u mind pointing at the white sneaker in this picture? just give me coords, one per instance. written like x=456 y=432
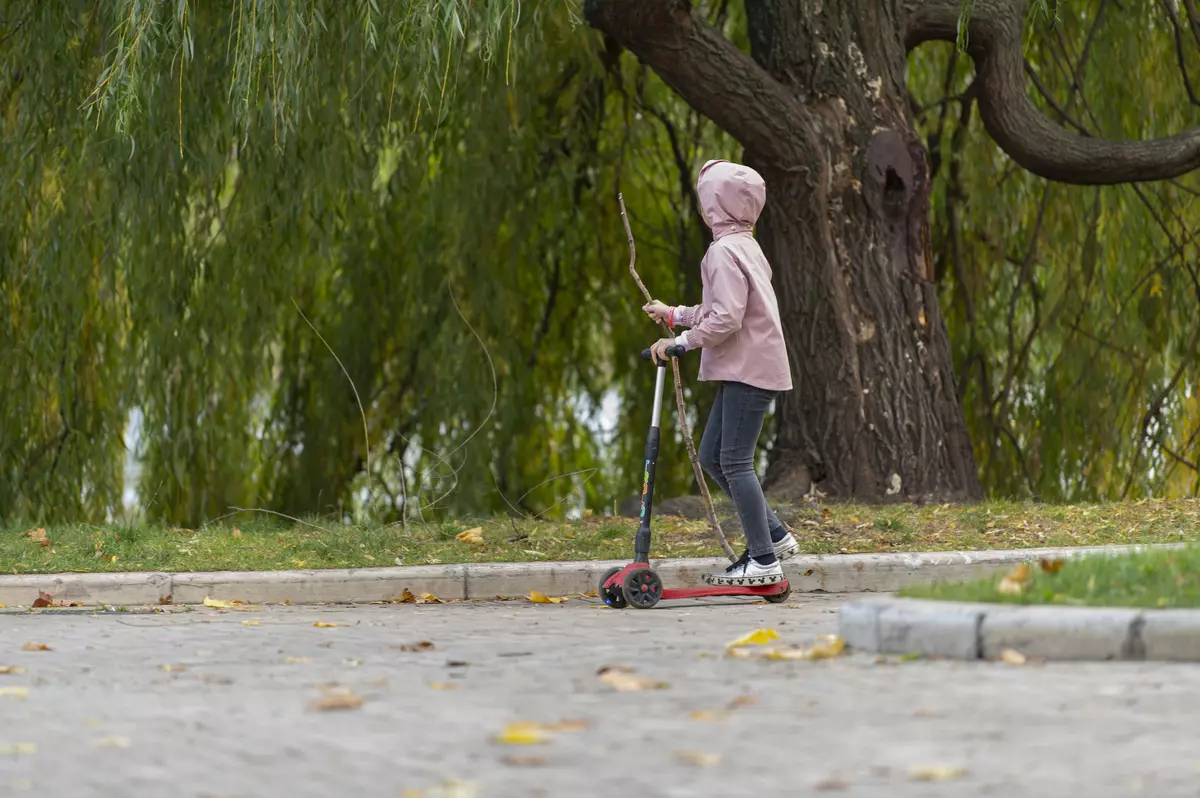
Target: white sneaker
x=788 y=547
x=747 y=573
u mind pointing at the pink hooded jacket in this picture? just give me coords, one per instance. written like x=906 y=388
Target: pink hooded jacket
x=737 y=323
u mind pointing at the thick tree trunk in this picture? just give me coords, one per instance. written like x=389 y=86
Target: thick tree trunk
x=874 y=414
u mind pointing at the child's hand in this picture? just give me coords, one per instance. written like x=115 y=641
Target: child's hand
x=657 y=311
x=658 y=350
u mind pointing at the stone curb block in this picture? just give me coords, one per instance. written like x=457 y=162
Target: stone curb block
x=837 y=573
x=968 y=631
x=119 y=589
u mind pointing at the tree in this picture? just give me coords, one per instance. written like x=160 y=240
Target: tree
x=821 y=107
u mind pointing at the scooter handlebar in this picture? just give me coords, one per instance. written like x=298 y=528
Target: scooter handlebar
x=672 y=351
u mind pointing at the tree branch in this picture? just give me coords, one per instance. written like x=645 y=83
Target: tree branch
x=1011 y=118
x=710 y=73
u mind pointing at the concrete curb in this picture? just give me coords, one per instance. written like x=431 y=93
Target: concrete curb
x=961 y=630
x=838 y=573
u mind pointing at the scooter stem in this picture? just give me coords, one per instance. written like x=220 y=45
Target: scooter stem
x=641 y=544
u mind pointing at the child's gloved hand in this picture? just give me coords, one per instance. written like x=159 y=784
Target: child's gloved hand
x=659 y=312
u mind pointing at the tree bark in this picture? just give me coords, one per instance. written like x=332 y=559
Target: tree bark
x=874 y=415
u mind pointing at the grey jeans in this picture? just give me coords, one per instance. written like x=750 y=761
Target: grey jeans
x=727 y=454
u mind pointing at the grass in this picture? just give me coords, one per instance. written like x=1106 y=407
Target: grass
x=1143 y=579
x=262 y=542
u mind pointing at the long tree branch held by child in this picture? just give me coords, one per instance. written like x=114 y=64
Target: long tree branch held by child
x=679 y=406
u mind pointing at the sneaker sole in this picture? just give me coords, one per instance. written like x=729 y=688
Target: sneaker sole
x=743 y=581
x=787 y=549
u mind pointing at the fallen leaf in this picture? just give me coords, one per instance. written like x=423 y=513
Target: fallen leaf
x=428 y=598
x=38 y=536
x=43 y=600
x=743 y=700
x=11 y=669
x=758 y=637
x=424 y=645
x=624 y=679
x=457 y=663
x=1010 y=587
x=18 y=749
x=567 y=726
x=250 y=623
x=524 y=761
x=442 y=686
x=113 y=558
x=709 y=714
x=237 y=533
x=173 y=668
x=343 y=698
x=937 y=773
x=222 y=605
x=540 y=598
x=14 y=692
x=698 y=758
x=522 y=733
x=327 y=625
x=1012 y=656
x=1051 y=566
x=474 y=535
x=1021 y=573
x=36 y=647
x=830 y=785
x=352 y=662
x=114 y=742
x=828 y=647
x=296 y=660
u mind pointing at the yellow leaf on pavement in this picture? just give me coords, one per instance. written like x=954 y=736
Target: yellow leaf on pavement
x=624 y=679
x=474 y=535
x=1012 y=656
x=442 y=686
x=223 y=605
x=343 y=698
x=699 y=758
x=540 y=598
x=326 y=624
x=709 y=714
x=249 y=623
x=31 y=646
x=18 y=748
x=173 y=668
x=11 y=669
x=759 y=637
x=937 y=772
x=522 y=733
x=114 y=742
x=14 y=692
x=296 y=660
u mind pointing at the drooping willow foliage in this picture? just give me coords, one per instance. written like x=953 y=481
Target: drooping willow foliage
x=223 y=226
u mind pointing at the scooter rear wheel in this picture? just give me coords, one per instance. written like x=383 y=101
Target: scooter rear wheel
x=642 y=588
x=612 y=596
x=779 y=598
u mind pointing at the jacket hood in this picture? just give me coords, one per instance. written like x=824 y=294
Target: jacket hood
x=731 y=197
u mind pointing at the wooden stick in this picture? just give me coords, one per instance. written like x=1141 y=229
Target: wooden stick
x=679 y=407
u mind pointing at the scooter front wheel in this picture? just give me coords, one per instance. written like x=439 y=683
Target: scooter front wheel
x=779 y=598
x=642 y=588
x=612 y=596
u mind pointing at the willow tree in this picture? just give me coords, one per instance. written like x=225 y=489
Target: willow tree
x=821 y=107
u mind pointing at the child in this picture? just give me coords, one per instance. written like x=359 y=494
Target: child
x=737 y=326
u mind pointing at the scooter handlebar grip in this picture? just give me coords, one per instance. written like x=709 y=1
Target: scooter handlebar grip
x=672 y=351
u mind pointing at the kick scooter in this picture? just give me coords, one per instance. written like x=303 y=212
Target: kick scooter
x=637 y=584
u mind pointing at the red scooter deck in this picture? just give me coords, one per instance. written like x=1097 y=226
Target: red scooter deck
x=611 y=588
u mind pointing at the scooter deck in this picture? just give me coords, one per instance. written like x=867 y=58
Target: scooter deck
x=668 y=593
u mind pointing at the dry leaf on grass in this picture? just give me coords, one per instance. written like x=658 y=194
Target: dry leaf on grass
x=38 y=536
x=759 y=637
x=473 y=535
x=31 y=646
x=341 y=698
x=540 y=598
x=326 y=624
x=13 y=692
x=937 y=772
x=1012 y=656
x=625 y=679
x=522 y=733
x=424 y=645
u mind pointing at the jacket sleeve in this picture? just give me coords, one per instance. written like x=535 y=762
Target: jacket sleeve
x=685 y=316
x=729 y=291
